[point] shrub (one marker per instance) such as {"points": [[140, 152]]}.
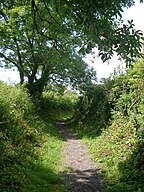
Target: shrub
{"points": [[31, 148], [92, 113], [18, 137], [120, 148]]}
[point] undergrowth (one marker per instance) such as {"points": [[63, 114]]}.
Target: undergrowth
{"points": [[31, 148], [119, 148], [92, 112], [58, 106]]}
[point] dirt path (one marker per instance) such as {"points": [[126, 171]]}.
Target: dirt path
{"points": [[80, 172]]}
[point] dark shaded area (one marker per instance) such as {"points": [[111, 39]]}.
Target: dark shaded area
{"points": [[19, 170], [131, 173], [84, 181], [63, 130], [132, 170], [29, 177], [93, 111], [80, 173], [42, 179]]}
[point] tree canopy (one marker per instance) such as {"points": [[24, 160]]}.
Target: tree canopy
{"points": [[46, 40]]}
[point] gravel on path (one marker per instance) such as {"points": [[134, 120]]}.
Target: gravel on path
{"points": [[80, 172]]}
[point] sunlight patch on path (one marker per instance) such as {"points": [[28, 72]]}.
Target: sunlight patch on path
{"points": [[80, 172]]}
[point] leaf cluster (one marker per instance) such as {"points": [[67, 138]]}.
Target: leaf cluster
{"points": [[48, 38], [92, 112], [119, 149], [30, 145], [40, 47]]}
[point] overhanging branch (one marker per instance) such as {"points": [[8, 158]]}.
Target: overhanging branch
{"points": [[8, 59]]}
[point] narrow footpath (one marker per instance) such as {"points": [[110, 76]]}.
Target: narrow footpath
{"points": [[80, 172]]}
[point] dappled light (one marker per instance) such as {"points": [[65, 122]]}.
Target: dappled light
{"points": [[86, 181], [60, 128], [79, 171]]}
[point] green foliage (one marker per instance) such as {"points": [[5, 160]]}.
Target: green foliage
{"points": [[46, 40], [60, 106], [30, 145], [93, 109], [129, 117], [120, 148], [41, 49]]}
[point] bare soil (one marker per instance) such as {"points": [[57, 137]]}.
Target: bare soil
{"points": [[81, 174]]}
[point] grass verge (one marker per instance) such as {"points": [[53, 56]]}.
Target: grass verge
{"points": [[116, 152], [31, 148], [44, 176]]}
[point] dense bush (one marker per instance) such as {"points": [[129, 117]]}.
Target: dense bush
{"points": [[30, 146], [92, 112], [120, 148], [129, 119], [61, 103], [18, 137]]}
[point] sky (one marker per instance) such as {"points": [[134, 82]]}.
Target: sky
{"points": [[103, 69]]}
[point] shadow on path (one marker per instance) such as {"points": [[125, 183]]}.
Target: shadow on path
{"points": [[67, 134], [84, 181], [80, 172]]}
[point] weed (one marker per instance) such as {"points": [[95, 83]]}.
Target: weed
{"points": [[31, 148]]}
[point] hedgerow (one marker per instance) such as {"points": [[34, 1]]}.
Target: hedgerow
{"points": [[30, 145], [119, 149]]}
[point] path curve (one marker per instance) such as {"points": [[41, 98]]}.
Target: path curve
{"points": [[80, 172]]}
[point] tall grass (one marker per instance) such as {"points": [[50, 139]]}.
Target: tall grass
{"points": [[119, 149], [59, 107], [30, 146]]}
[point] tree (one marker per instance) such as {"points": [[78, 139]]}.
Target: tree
{"points": [[39, 58], [97, 23], [42, 38]]}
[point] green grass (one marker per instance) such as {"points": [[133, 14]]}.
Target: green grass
{"points": [[119, 147], [115, 152], [45, 176], [31, 148]]}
